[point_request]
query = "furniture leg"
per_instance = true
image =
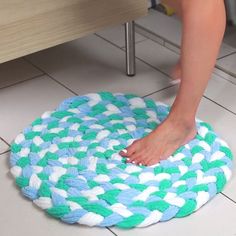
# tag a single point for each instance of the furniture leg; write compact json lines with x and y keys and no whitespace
{"x":130,"y":48}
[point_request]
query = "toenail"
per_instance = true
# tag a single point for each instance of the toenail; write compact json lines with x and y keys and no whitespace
{"x":124,"y":150}
{"x":133,"y":162}
{"x":140,"y":164}
{"x":127,"y":159}
{"x":175,"y":81}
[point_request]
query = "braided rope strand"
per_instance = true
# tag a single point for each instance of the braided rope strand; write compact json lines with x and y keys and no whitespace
{"x":67,"y":163}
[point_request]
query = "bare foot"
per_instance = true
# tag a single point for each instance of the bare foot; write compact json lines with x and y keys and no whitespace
{"x":176,"y":72}
{"x":160,"y":143}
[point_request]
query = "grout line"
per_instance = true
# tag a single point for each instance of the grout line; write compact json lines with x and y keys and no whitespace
{"x":148,"y":34}
{"x":216,"y":66}
{"x":139,"y":41}
{"x":8,"y":145}
{"x":4,"y":152}
{"x":228,"y":197}
{"x":219,"y":105}
{"x":226,"y":55}
{"x":136,"y":42}
{"x":135,"y":57}
{"x":45,"y":73}
{"x":170,"y":86}
{"x":170,"y":42}
{"x":222,"y":77}
{"x":112,"y":231}
{"x":168,"y":77}
{"x":34,"y":77}
{"x":154,"y":35}
{"x":139,"y":60}
{"x":225,"y":71}
{"x":108,"y":41}
{"x":62,"y":84}
{"x":2,"y":139}
{"x":155,"y":68}
{"x":203,"y":96}
{"x":177,"y":46}
{"x":123,"y":49}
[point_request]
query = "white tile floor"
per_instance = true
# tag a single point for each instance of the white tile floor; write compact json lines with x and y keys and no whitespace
{"x":3,"y":146}
{"x":31,"y":85}
{"x":230,"y":35}
{"x":228,"y":64}
{"x":169,"y":29}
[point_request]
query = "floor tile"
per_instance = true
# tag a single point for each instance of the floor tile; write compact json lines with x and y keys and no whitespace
{"x":225,"y":75}
{"x":156,"y":55}
{"x":170,"y":28}
{"x":222,"y":92}
{"x":23,"y":103}
{"x":218,"y":89}
{"x":91,"y":64}
{"x":225,"y":50}
{"x":21,"y":217}
{"x":3,"y":146}
{"x":167,"y":27}
{"x":217,"y":218}
{"x":116,"y":35}
{"x":172,"y":47}
{"x":230,"y":36}
{"x":228,"y":64}
{"x":15,"y":71}
{"x":223,"y":122}
{"x":148,"y":34}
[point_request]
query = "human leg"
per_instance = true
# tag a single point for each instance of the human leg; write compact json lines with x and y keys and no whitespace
{"x":201,"y":39}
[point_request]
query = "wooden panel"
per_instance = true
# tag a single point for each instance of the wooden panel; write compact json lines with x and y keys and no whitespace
{"x":27,"y":26}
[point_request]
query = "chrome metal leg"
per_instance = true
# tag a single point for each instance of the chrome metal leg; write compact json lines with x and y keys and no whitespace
{"x":130,"y":48}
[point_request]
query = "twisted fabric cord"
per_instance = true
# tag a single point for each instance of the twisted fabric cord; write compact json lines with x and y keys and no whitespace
{"x":67,"y":163}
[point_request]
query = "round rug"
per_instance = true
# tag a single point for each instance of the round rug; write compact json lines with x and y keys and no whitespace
{"x":67,"y":162}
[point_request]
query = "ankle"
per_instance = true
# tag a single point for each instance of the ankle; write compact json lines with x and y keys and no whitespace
{"x":176,"y":71}
{"x":183,"y":121}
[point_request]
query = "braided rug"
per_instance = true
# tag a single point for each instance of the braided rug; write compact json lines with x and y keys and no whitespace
{"x":67,"y":162}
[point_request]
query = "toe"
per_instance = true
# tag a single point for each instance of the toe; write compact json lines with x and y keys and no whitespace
{"x":143,"y":159}
{"x":153,"y":162}
{"x":130,"y":150}
{"x":152,"y":158}
{"x":140,"y":159}
{"x":137,"y":157}
{"x":132,"y":158}
{"x":123,"y":153}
